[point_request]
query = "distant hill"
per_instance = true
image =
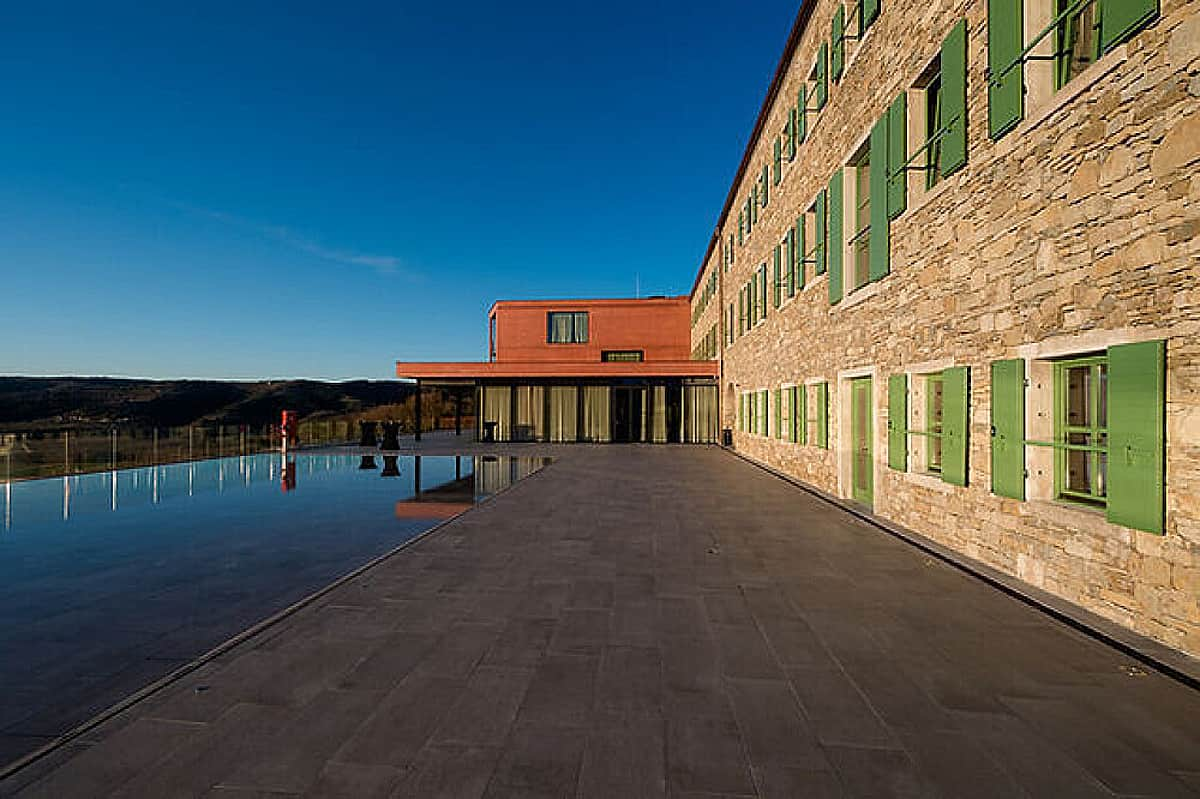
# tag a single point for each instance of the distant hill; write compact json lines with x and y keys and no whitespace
{"x":55,"y":402}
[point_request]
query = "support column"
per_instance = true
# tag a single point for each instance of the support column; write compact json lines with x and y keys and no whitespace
{"x":458,"y":412}
{"x":417,"y":414}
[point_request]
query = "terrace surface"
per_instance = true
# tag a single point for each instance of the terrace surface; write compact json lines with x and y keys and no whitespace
{"x":651,"y":621}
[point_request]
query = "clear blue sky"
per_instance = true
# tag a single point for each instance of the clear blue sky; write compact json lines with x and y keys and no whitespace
{"x":316,"y":189}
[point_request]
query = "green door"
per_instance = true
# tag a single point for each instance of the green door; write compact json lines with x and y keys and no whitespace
{"x":861,"y":456}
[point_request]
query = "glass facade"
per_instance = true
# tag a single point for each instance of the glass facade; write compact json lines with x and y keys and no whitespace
{"x":646,"y":411}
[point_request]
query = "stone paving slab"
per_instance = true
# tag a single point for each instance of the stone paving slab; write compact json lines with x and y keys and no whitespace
{"x":651,"y":622}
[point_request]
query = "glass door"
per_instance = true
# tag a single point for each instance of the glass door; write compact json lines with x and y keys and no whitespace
{"x":861,"y":456}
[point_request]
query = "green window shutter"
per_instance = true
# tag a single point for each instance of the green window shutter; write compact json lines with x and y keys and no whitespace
{"x":801,"y":414}
{"x":791,"y":431}
{"x":837,"y":34}
{"x":802,"y":112}
{"x":878,"y":236}
{"x":1008,"y":428}
{"x":764,"y":178}
{"x":754,"y":201}
{"x":792,"y":134}
{"x":778,"y":176}
{"x":763,"y":403}
{"x":798,"y":251}
{"x":822,"y":88}
{"x":898,"y":422}
{"x":897,"y":154}
{"x":819,"y":223}
{"x":1137,"y":435}
{"x":741,"y":227}
{"x":834,"y":245}
{"x":1120,"y":19}
{"x":777,"y":284}
{"x":822,"y":431}
{"x":1006,"y":92}
{"x":955,"y":424}
{"x":791,"y":262}
{"x":762,"y":289}
{"x":954,"y":98}
{"x":870,"y":13}
{"x":779,"y":413}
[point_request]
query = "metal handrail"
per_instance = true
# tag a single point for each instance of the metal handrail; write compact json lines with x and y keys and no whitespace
{"x":1023,"y":56}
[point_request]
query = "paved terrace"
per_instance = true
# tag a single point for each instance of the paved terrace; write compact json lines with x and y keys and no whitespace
{"x":641,"y":621}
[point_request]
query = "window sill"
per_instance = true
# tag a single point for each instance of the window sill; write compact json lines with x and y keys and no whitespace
{"x":866,"y":37}
{"x":816,"y":281}
{"x":928,"y":196}
{"x":859,"y":295}
{"x":929,"y":480}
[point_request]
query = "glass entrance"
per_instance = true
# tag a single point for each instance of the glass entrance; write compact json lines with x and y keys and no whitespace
{"x":627,"y":414}
{"x":861,"y":456}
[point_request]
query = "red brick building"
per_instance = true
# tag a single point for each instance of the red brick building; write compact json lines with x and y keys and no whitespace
{"x":615,"y":370}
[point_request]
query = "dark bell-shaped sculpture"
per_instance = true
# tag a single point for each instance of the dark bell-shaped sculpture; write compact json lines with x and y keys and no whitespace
{"x":367,"y":462}
{"x":391,"y":466}
{"x":391,"y":435}
{"x":368,"y":437}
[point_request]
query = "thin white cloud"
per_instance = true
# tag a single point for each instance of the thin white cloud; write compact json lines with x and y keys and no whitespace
{"x":382,"y":264}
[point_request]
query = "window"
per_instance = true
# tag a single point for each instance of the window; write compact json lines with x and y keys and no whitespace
{"x":859,"y":243}
{"x":777,"y":276}
{"x":761,"y":293}
{"x":1076,"y":44}
{"x":492,"y":338}
{"x":818,"y":80}
{"x":810,"y":237}
{"x":777,"y":172}
{"x":817,"y":422}
{"x":931,"y":423}
{"x":939,"y":107}
{"x":1081,"y":429}
{"x":567,"y":327}
{"x":1113,"y":401}
{"x":624,"y":356}
{"x":1065,"y":37}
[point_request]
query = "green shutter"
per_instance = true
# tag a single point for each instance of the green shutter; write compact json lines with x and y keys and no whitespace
{"x":779,"y":413}
{"x":764,"y":178}
{"x":819,"y":268}
{"x":1120,"y":19}
{"x":870,"y":12}
{"x":835,"y":238}
{"x":838,"y":51}
{"x":1137,"y":435}
{"x":823,"y":415}
{"x":754,"y":201}
{"x":777,"y":288}
{"x":898,"y":422}
{"x":955,"y":424}
{"x":800,"y":414}
{"x":778,"y":176}
{"x":1008,"y":428}
{"x":1006,"y":93}
{"x":762,"y":290}
{"x":802,"y":112}
{"x":741,"y":227}
{"x":822,"y":75}
{"x":897,"y":154}
{"x":793,"y":130}
{"x":791,"y":262}
{"x":798,"y":249}
{"x":954,"y":98}
{"x":878,"y":236}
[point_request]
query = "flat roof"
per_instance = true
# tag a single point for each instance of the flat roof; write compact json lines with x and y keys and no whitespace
{"x":581,"y":301}
{"x":475,"y":370}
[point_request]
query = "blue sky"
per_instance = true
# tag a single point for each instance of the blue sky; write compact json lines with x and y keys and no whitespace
{"x":317,"y":189}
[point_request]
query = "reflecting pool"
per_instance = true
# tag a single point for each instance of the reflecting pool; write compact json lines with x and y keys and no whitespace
{"x":109,"y":581}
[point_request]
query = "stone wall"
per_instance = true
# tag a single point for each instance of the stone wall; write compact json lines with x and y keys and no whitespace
{"x":1076,"y":230}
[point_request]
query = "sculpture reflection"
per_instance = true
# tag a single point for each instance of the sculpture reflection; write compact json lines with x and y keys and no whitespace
{"x":391,"y":466}
{"x":367,"y":462}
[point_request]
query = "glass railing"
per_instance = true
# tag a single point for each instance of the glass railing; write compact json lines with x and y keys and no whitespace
{"x":31,"y":454}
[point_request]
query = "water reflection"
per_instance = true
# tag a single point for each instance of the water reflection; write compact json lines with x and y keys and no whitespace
{"x":127,"y":574}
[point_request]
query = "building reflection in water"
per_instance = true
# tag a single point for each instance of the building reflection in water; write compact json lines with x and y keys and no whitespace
{"x":436,"y":487}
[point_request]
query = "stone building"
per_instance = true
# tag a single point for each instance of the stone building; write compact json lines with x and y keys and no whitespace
{"x":957,"y":281}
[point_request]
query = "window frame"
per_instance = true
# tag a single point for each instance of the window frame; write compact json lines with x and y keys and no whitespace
{"x":575,"y":317}
{"x":1096,"y":430}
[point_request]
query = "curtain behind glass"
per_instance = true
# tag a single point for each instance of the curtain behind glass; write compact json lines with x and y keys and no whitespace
{"x":497,"y":407}
{"x":658,"y":426}
{"x":701,"y":414}
{"x":530,"y":424}
{"x":581,"y":327}
{"x":561,"y":328}
{"x":595,"y":414}
{"x":563,"y":423}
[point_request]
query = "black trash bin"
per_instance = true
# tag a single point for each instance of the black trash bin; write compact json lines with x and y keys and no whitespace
{"x":727,"y":437}
{"x":489,"y":431}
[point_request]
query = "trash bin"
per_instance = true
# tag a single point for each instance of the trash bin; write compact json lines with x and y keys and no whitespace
{"x":489,"y":431}
{"x":727,"y":437}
